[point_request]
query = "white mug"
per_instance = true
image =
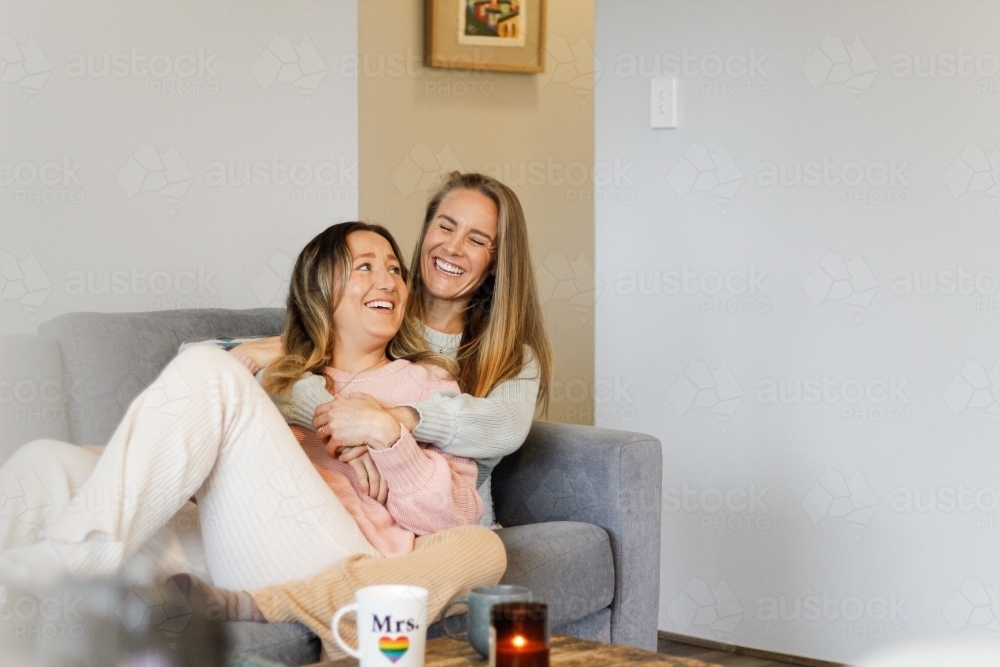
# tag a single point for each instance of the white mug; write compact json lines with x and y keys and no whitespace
{"x":392,"y":626}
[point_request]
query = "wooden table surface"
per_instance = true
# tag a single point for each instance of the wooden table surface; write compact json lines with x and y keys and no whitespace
{"x":566,"y":652}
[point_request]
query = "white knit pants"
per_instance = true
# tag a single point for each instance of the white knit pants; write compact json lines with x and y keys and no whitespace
{"x":203,"y":429}
{"x":37,"y":485}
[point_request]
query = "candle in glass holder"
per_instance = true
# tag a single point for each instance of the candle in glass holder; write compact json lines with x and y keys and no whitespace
{"x":519,"y":635}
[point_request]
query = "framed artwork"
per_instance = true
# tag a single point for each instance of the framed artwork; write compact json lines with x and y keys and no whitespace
{"x":497,"y":35}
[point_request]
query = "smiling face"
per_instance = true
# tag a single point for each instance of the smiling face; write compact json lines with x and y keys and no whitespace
{"x":459,"y":247}
{"x":370,"y":311}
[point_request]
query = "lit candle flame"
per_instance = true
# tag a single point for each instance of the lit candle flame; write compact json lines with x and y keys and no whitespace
{"x":519,"y":641}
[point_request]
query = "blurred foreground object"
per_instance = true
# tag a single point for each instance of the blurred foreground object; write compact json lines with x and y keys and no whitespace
{"x":108,"y":624}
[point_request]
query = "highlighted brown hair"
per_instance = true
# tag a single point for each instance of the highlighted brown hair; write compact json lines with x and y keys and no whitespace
{"x":315,"y":288}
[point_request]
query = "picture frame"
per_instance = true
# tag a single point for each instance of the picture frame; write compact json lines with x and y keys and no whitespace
{"x":492,"y":35}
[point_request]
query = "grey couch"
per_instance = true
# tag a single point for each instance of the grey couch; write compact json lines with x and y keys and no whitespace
{"x":580,"y":505}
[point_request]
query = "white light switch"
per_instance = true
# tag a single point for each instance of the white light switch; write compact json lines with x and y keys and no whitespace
{"x":663,"y":102}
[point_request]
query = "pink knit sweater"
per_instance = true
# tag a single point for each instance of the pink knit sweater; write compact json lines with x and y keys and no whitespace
{"x":429,"y":490}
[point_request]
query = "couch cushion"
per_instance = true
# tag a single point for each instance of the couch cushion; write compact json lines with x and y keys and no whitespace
{"x":596,"y":627}
{"x":33,"y":393}
{"x":110,"y":358}
{"x":566,"y":564}
{"x":284,"y":643}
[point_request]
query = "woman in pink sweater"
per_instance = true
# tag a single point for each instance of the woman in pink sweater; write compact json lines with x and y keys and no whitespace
{"x":428,"y":490}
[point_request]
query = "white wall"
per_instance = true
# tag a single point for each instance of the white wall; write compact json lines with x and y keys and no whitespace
{"x":191,"y":90}
{"x":876,"y":488}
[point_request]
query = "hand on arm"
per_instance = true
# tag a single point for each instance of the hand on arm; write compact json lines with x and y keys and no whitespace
{"x":355,"y":420}
{"x":372,"y":482}
{"x":350,"y":427}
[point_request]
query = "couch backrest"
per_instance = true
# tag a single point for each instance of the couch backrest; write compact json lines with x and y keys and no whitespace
{"x":33,"y":393}
{"x":108,"y":358}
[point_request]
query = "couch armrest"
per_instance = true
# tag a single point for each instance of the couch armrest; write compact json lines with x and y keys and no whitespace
{"x":609,"y":478}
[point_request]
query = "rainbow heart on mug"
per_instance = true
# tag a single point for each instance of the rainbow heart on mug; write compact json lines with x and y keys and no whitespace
{"x":393,"y":648}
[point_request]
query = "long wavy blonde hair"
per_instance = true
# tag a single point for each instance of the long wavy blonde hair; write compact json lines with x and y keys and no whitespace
{"x":505,"y":313}
{"x":315,"y":289}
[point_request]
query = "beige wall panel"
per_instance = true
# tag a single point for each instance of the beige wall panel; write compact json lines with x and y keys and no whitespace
{"x":534,"y":132}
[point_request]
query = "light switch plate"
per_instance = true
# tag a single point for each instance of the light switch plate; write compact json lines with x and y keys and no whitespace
{"x":663,"y":102}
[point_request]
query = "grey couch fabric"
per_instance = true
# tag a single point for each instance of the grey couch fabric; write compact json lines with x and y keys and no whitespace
{"x":580,"y":504}
{"x":33,"y":393}
{"x":566,"y":564}
{"x":110,"y":358}
{"x":597,"y":626}
{"x":607,"y":478}
{"x":283,"y":643}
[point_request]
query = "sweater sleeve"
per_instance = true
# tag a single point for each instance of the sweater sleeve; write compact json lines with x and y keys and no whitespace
{"x":481,"y":428}
{"x":429,"y":490}
{"x":250,"y":364}
{"x":299,"y":407}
